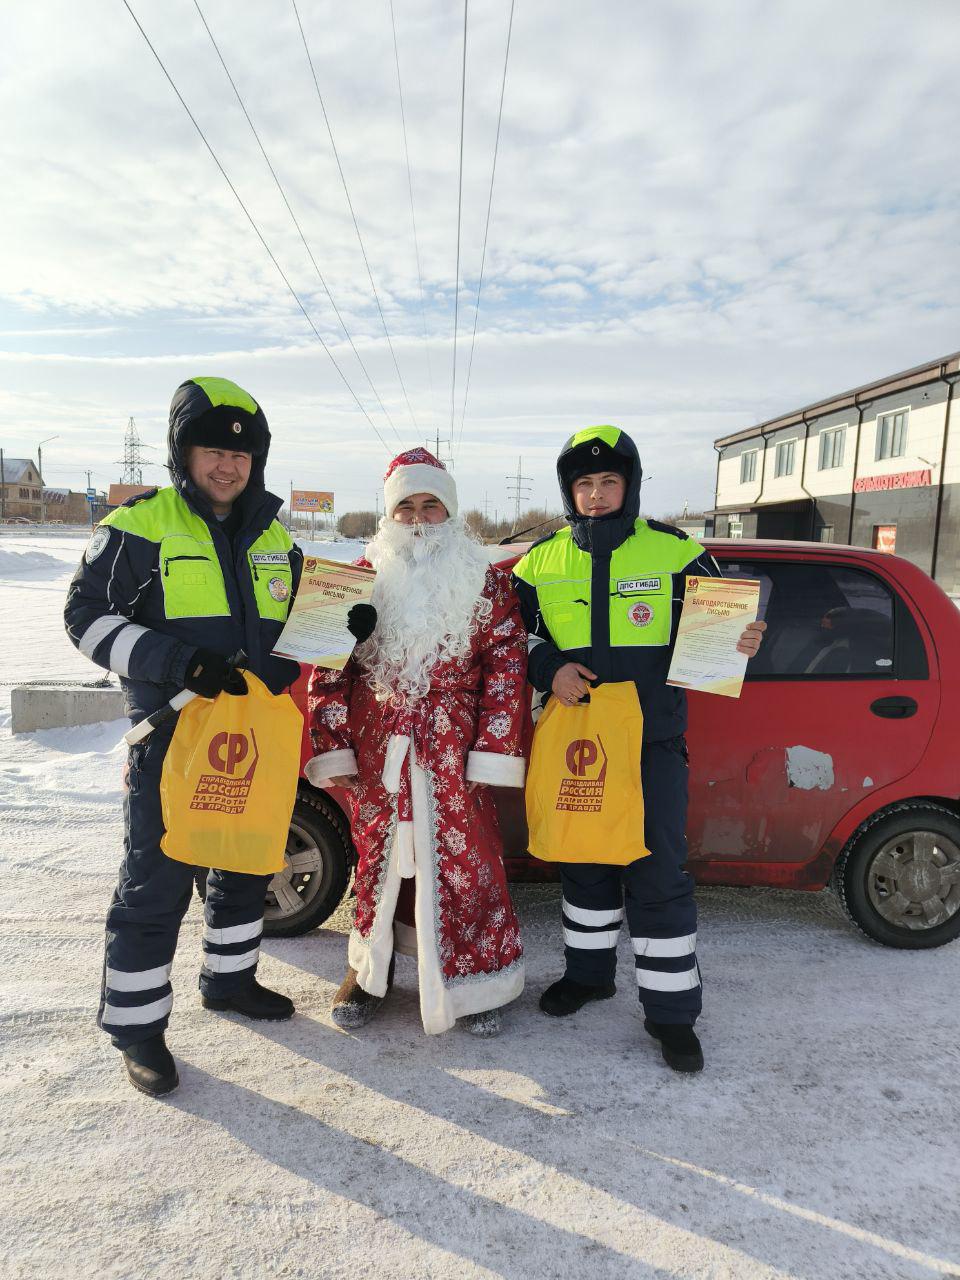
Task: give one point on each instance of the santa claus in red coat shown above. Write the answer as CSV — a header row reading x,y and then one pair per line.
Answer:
x,y
424,718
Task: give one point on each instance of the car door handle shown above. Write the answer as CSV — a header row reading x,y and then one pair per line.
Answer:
x,y
895,708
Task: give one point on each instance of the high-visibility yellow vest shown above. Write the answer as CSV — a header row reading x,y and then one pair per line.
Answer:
x,y
190,572
640,587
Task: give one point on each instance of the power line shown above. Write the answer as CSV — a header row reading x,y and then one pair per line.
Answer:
x,y
356,226
258,232
456,281
486,229
283,195
413,216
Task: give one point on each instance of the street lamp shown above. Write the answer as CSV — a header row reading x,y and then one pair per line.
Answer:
x,y
43,507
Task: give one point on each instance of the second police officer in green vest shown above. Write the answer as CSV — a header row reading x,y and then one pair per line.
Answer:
x,y
171,584
601,600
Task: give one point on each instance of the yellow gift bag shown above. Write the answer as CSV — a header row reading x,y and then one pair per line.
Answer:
x,y
584,794
229,780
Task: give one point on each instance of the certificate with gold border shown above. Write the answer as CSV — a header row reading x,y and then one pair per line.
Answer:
x,y
715,612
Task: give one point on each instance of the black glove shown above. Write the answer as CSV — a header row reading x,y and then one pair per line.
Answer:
x,y
361,620
211,673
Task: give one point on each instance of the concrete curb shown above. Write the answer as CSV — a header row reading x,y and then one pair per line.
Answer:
x,y
40,706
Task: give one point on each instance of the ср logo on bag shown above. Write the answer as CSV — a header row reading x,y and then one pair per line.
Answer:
x,y
224,791
582,790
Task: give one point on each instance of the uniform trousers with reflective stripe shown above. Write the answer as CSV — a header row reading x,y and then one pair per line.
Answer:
x,y
655,893
148,905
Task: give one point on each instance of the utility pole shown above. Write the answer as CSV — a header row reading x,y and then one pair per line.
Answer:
x,y
43,505
436,445
520,484
3,490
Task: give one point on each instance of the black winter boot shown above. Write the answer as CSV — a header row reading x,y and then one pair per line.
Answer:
x,y
150,1066
678,1044
566,996
253,1001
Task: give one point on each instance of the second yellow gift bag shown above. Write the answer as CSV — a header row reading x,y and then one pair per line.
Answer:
x,y
584,794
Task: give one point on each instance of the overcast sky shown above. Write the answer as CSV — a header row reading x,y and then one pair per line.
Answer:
x,y
704,214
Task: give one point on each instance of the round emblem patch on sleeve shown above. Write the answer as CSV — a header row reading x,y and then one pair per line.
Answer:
x,y
95,546
640,614
278,589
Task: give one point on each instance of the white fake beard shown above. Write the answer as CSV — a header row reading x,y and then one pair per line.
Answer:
x,y
427,595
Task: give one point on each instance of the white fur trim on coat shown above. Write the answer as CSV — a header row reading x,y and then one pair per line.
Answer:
x,y
391,774
441,1004
495,769
330,764
419,477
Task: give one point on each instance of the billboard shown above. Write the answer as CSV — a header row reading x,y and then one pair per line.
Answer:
x,y
311,500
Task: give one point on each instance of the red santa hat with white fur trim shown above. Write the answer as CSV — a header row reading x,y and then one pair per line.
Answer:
x,y
418,471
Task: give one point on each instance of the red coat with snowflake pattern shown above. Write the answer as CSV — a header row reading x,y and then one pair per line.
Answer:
x,y
469,727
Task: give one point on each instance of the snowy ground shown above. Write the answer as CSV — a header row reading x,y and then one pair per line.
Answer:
x,y
820,1142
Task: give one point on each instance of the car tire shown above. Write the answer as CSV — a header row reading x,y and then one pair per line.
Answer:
x,y
301,898
896,869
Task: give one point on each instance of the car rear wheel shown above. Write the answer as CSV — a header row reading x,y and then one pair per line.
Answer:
x,y
318,857
899,878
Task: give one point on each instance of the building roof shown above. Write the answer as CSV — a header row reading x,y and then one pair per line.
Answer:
x,y
858,396
14,469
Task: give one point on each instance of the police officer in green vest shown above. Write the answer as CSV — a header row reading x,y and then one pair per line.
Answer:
x,y
601,600
171,585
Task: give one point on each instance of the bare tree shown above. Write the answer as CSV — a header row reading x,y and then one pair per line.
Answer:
x,y
684,517
539,522
358,524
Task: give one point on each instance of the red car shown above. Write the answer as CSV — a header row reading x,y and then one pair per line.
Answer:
x,y
838,764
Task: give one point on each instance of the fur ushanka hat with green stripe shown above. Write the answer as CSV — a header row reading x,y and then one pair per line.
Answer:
x,y
215,414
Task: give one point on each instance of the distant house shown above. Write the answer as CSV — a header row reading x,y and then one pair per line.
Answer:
x,y
20,489
694,527
66,506
119,493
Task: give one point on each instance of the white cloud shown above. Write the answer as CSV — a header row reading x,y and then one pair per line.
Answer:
x,y
703,214
565,291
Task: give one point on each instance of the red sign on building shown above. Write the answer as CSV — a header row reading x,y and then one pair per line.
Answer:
x,y
898,480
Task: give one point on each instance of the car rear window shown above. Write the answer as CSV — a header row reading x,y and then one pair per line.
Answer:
x,y
823,620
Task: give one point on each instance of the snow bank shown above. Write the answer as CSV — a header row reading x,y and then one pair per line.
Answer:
x,y
344,550
33,564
